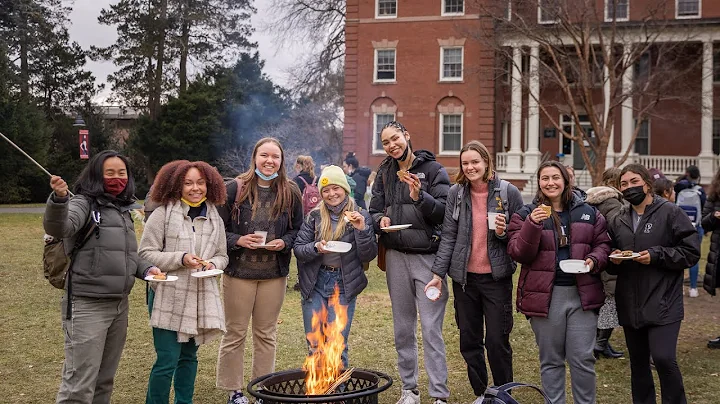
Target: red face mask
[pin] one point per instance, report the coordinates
(114, 186)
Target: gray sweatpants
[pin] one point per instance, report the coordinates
(407, 275)
(94, 341)
(567, 334)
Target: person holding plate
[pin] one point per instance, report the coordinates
(473, 251)
(410, 189)
(649, 291)
(262, 217)
(562, 306)
(185, 234)
(321, 268)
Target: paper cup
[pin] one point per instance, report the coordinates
(491, 220)
(264, 236)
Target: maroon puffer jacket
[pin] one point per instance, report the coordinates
(534, 246)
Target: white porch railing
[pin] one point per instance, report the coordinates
(671, 166)
(500, 162)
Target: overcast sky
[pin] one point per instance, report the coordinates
(86, 31)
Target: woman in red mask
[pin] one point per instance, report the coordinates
(95, 305)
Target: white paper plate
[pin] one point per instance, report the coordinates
(170, 278)
(396, 227)
(208, 273)
(620, 257)
(574, 267)
(262, 246)
(338, 246)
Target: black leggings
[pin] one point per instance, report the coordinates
(660, 342)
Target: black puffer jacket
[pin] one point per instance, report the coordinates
(608, 201)
(652, 294)
(309, 261)
(360, 176)
(456, 242)
(299, 181)
(711, 224)
(391, 198)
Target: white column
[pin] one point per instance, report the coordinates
(706, 157)
(515, 154)
(532, 154)
(627, 124)
(610, 156)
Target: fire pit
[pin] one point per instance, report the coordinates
(288, 386)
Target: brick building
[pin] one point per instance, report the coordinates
(423, 63)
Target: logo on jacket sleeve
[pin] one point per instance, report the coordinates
(585, 217)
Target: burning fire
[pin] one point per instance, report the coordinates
(324, 365)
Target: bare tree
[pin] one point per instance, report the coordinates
(587, 55)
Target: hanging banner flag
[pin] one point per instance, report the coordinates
(84, 144)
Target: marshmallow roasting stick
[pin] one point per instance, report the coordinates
(31, 159)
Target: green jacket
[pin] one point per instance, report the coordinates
(105, 267)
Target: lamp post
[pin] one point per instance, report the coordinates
(83, 138)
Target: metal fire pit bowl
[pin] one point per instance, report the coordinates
(289, 387)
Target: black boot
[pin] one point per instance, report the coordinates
(616, 354)
(602, 345)
(714, 343)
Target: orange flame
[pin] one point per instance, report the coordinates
(324, 364)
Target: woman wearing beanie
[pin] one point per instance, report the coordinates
(411, 188)
(321, 270)
(473, 251)
(262, 217)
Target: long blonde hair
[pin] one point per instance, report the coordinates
(286, 189)
(326, 233)
(308, 165)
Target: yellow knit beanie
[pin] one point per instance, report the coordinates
(333, 175)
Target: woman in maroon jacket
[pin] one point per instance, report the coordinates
(562, 307)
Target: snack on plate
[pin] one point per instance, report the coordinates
(403, 174)
(204, 263)
(626, 253)
(160, 277)
(546, 208)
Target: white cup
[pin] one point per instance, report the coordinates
(491, 220)
(264, 236)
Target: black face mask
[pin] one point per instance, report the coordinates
(405, 154)
(634, 195)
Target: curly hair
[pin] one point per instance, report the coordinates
(168, 183)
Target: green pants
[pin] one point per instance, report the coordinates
(176, 362)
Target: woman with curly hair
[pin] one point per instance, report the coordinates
(261, 223)
(184, 235)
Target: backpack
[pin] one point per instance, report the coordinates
(310, 196)
(56, 263)
(689, 200)
(501, 196)
(501, 395)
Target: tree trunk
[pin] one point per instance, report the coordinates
(184, 47)
(24, 68)
(157, 82)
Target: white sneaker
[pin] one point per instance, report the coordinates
(479, 400)
(439, 401)
(693, 292)
(408, 397)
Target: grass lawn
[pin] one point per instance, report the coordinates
(31, 355)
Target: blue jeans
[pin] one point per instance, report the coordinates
(695, 269)
(324, 288)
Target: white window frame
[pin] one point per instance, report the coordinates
(442, 64)
(572, 124)
(609, 18)
(376, 134)
(508, 16)
(649, 137)
(687, 17)
(539, 18)
(440, 133)
(377, 11)
(444, 14)
(375, 68)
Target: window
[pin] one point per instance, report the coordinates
(617, 10)
(380, 120)
(716, 67)
(548, 11)
(384, 65)
(642, 141)
(642, 67)
(453, 7)
(687, 8)
(716, 136)
(386, 8)
(450, 133)
(452, 64)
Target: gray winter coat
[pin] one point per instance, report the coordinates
(309, 261)
(107, 265)
(608, 201)
(454, 250)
